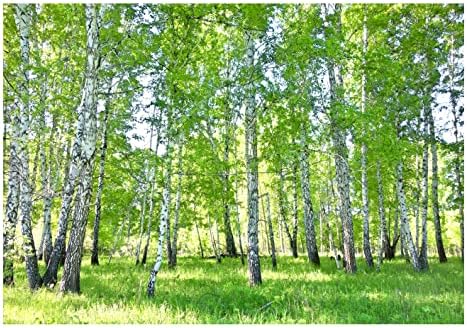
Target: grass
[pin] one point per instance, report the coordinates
(201, 291)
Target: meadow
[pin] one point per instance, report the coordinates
(202, 291)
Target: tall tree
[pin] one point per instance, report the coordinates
(310, 236)
(71, 271)
(23, 18)
(424, 245)
(100, 186)
(434, 190)
(365, 198)
(333, 16)
(251, 160)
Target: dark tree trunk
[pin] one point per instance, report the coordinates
(271, 234)
(283, 212)
(434, 191)
(172, 260)
(100, 188)
(199, 241)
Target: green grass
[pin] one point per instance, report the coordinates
(201, 291)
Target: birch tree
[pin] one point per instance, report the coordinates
(23, 19)
(71, 271)
(100, 187)
(251, 160)
(365, 198)
(341, 153)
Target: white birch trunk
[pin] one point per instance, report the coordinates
(424, 246)
(310, 236)
(71, 271)
(23, 17)
(341, 160)
(251, 160)
(405, 229)
(163, 221)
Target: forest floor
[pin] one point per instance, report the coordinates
(202, 291)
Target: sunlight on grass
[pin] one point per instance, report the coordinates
(202, 291)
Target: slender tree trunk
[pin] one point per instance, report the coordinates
(151, 213)
(214, 244)
(12, 205)
(237, 213)
(458, 160)
(424, 247)
(71, 270)
(23, 17)
(402, 238)
(283, 213)
(321, 240)
(382, 233)
(151, 199)
(405, 229)
(332, 246)
(254, 268)
(199, 240)
(100, 188)
(150, 178)
(365, 198)
(218, 240)
(265, 231)
(343, 184)
(45, 248)
(43, 170)
(417, 205)
(341, 163)
(35, 166)
(271, 234)
(434, 190)
(312, 249)
(229, 239)
(281, 236)
(143, 214)
(163, 220)
(293, 241)
(460, 197)
(384, 238)
(173, 258)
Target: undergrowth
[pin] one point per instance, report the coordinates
(202, 291)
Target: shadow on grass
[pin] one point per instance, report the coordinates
(206, 292)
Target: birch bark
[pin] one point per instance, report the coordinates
(251, 160)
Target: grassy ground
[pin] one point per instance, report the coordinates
(201, 291)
